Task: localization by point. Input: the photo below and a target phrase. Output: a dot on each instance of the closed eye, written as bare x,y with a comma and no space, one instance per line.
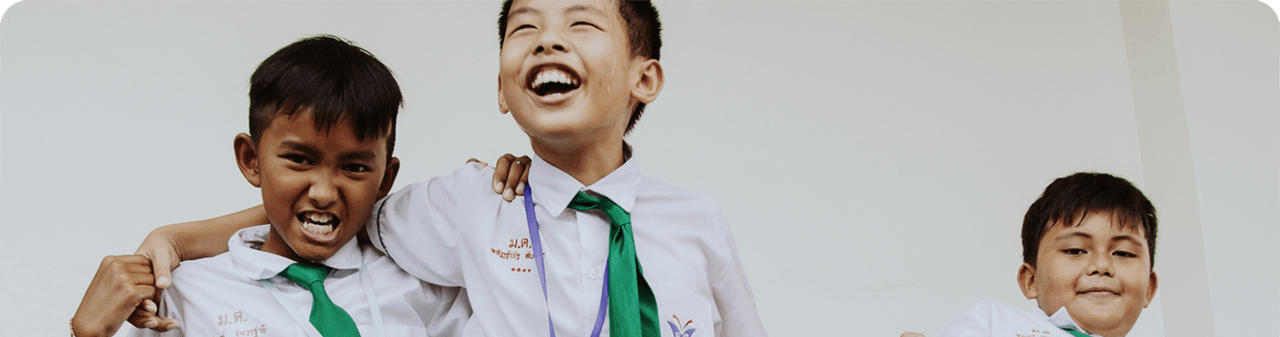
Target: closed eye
518,28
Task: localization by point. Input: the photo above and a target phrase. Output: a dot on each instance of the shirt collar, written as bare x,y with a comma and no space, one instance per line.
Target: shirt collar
245,249
554,189
1062,319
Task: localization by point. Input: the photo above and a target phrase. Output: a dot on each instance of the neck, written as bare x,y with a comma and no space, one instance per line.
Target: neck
588,163
275,244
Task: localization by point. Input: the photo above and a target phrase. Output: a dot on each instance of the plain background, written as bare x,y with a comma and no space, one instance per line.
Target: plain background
874,159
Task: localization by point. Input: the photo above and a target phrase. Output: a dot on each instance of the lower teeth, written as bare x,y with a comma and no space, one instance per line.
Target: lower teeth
318,229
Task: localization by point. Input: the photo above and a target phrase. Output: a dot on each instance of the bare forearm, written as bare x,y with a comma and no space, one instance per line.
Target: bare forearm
205,238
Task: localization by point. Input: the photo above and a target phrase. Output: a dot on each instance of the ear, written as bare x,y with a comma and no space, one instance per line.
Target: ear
247,159
1027,281
648,83
1151,289
389,177
502,100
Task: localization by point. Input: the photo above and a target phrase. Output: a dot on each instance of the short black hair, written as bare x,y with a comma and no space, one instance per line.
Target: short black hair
334,80
1068,200
644,34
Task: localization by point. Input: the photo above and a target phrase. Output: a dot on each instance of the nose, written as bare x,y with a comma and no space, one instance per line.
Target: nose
322,193
549,41
1100,264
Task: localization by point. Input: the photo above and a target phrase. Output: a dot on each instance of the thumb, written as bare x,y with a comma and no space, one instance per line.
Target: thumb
162,267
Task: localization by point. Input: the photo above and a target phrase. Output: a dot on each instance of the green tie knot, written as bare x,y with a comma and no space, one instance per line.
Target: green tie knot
305,274
617,216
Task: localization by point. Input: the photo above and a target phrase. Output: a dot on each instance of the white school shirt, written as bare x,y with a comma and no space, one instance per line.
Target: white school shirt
456,231
993,319
221,296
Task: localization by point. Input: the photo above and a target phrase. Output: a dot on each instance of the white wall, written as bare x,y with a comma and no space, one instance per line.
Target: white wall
874,159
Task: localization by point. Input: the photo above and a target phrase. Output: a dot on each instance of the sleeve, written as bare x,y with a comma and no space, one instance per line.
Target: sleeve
735,302
418,225
975,321
453,312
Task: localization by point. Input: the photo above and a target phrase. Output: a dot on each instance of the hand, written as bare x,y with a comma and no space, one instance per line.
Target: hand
912,334
122,286
163,257
509,175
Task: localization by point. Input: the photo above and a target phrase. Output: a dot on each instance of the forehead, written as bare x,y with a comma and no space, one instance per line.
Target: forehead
555,8
1097,225
340,135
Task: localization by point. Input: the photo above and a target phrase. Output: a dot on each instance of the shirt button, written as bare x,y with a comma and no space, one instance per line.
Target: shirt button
594,273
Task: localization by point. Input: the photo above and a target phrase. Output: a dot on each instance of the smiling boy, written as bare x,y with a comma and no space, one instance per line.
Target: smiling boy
1088,246
593,238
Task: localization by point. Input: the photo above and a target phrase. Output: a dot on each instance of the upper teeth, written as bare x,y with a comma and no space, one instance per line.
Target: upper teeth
553,76
319,218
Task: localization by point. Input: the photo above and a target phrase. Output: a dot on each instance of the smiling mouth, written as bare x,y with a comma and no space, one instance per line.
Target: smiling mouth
318,224
552,79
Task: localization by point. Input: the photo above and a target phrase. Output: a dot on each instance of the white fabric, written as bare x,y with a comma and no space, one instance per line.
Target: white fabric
220,296
989,318
456,231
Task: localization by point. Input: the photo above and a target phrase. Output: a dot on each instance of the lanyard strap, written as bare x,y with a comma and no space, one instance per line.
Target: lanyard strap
305,323
542,275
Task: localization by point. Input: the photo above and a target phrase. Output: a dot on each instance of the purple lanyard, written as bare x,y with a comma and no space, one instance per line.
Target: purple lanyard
542,275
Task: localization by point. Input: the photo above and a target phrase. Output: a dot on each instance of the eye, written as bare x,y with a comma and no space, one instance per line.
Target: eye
584,24
297,158
1122,253
520,27
357,168
1074,251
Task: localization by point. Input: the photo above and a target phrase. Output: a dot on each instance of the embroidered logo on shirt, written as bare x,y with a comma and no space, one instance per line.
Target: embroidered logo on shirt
681,330
240,325
1036,333
515,250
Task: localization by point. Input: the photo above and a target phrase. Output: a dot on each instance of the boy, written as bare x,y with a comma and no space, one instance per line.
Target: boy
1088,245
575,76
322,121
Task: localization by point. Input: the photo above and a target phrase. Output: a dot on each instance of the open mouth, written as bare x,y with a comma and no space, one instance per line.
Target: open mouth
318,224
552,79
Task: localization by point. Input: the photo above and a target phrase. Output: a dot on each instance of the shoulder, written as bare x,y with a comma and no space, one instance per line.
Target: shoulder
465,180
670,198
200,271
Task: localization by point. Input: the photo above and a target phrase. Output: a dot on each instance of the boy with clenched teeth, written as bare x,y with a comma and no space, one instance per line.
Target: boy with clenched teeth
322,122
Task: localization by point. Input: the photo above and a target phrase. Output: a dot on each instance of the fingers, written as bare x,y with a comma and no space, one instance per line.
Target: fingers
165,324
473,160
161,267
500,170
912,334
143,319
524,178
513,178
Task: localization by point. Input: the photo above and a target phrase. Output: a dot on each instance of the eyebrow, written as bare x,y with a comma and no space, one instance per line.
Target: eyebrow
297,146
523,10
1086,236
583,8
357,156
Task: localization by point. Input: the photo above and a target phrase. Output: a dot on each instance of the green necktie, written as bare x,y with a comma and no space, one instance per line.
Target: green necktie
327,317
633,311
1075,333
